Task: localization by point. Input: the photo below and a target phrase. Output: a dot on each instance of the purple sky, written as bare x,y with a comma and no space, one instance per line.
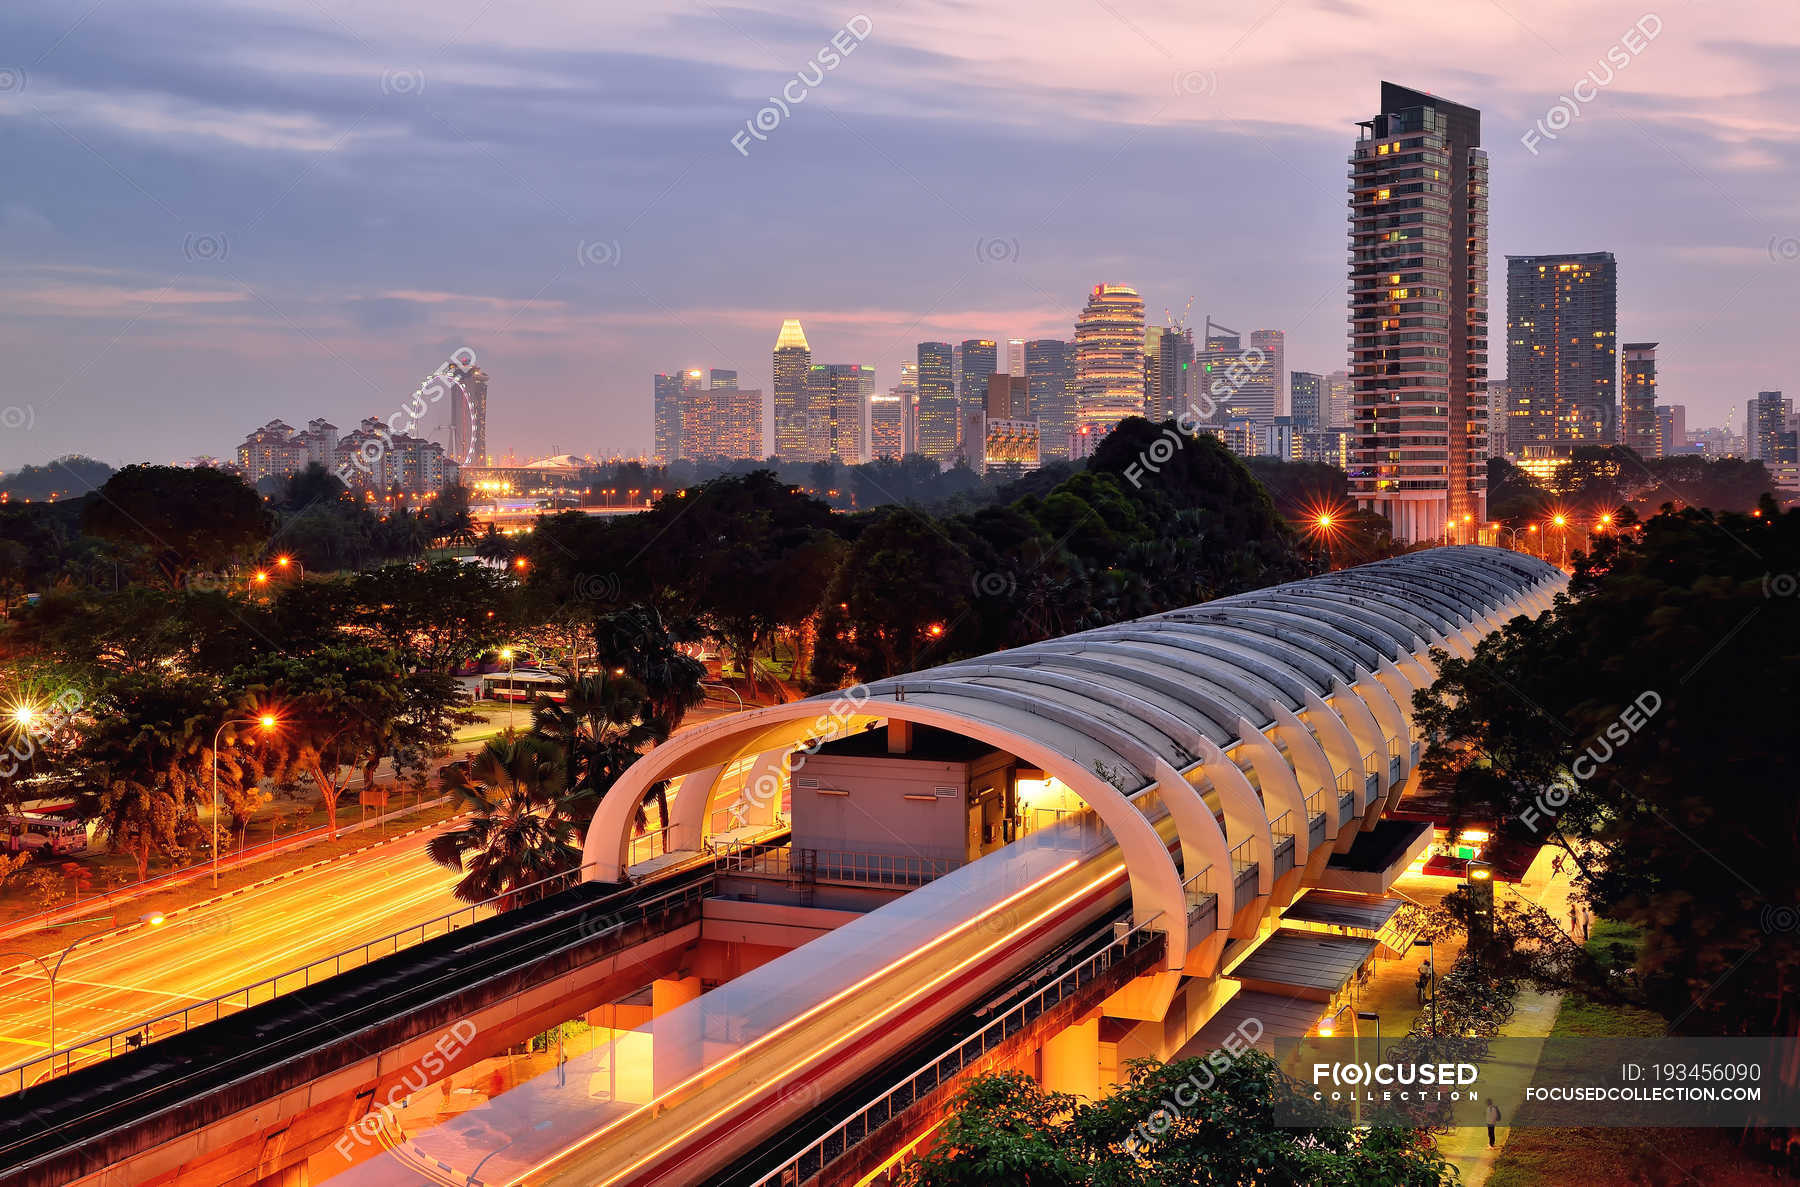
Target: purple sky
220,213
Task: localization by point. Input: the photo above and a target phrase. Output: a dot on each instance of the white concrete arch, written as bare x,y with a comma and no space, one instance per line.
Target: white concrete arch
1245,816
1156,891
1280,788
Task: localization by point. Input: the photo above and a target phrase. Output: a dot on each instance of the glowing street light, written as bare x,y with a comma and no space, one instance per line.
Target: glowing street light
51,971
506,653
285,561
935,630
268,721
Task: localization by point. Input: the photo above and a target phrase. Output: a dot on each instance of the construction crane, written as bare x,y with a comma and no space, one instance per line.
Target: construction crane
1169,318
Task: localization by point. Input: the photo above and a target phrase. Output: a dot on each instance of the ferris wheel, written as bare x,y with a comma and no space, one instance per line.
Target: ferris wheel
441,409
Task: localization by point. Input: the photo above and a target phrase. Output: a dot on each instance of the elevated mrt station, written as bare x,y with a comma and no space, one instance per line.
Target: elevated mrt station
1122,843
1214,777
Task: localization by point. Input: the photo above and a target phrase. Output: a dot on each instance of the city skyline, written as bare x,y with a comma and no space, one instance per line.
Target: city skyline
180,284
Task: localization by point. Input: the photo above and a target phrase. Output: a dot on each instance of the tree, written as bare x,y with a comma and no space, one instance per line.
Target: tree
516,832
600,729
439,616
636,642
1632,725
906,586
147,760
1005,1129
747,556
341,708
183,518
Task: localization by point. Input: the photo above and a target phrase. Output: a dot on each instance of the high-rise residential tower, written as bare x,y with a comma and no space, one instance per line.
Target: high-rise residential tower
1637,399
1050,380
1562,351
793,362
1766,435
1109,358
1418,316
937,418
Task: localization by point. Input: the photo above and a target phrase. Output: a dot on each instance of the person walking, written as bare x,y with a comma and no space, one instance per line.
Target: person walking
1493,1119
1574,919
1420,984
1556,865
1587,921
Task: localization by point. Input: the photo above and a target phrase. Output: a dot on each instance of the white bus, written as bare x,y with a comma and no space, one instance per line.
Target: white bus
525,684
44,835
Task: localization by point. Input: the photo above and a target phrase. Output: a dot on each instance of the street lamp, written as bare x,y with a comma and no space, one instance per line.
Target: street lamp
1431,944
284,561
268,722
51,971
506,653
1327,1027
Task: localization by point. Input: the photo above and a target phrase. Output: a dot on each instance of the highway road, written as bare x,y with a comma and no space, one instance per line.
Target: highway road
201,953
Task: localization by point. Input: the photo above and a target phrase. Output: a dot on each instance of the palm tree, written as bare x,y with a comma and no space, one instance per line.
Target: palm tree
599,730
518,831
636,642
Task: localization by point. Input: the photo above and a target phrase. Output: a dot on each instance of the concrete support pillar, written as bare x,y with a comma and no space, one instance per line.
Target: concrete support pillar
675,1033
1072,1060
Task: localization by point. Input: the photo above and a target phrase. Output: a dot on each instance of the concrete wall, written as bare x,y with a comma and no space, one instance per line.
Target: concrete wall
900,806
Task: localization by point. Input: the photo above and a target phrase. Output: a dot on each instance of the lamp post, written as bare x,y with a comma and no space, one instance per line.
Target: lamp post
284,561
52,971
1431,944
1480,879
267,721
1330,1024
506,653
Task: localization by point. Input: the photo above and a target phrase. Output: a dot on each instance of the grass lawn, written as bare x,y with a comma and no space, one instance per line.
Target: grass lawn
1547,1157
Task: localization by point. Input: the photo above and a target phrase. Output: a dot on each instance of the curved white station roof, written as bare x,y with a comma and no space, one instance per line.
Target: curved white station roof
1301,682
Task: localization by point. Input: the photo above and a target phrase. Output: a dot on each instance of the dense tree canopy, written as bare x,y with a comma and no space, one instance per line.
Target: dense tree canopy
181,518
1191,1121
1639,725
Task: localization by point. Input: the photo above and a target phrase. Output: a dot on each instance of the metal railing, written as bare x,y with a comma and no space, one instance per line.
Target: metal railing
94,1048
1315,804
832,865
654,843
944,1069
1283,825
1345,785
1198,891
1393,747
1241,860
1368,761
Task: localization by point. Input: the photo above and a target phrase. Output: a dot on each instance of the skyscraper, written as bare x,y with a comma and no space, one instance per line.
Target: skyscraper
1270,381
666,411
838,399
475,386
1562,329
1109,358
724,423
980,359
1050,381
1015,356
1168,368
1637,399
1306,390
1339,392
1418,315
906,393
793,362
887,425
937,419
722,380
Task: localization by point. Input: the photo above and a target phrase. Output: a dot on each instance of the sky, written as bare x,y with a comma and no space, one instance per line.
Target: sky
215,213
